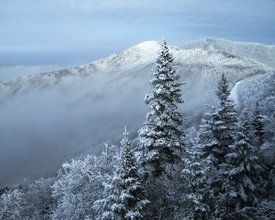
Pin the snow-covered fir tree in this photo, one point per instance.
(106, 206)
(258, 123)
(123, 196)
(243, 180)
(160, 139)
(195, 175)
(217, 132)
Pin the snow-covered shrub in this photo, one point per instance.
(12, 205)
(38, 198)
(79, 184)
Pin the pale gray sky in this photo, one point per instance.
(78, 31)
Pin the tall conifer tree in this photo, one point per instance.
(258, 124)
(161, 139)
(217, 133)
(123, 196)
(244, 174)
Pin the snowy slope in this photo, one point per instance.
(51, 117)
(197, 61)
(259, 88)
(258, 52)
(8, 72)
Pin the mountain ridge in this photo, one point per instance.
(141, 54)
(256, 51)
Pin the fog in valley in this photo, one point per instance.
(43, 128)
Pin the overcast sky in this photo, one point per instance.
(72, 32)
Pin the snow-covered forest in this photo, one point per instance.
(220, 168)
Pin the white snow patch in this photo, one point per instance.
(149, 45)
(234, 93)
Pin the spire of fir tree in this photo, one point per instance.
(160, 139)
(258, 124)
(223, 91)
(218, 131)
(127, 157)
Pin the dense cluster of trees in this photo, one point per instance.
(213, 172)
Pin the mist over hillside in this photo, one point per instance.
(51, 117)
(13, 71)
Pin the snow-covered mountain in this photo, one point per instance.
(12, 71)
(51, 117)
(258, 52)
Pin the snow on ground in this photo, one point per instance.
(234, 94)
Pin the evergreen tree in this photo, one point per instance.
(217, 133)
(160, 139)
(107, 207)
(208, 141)
(244, 176)
(123, 194)
(195, 175)
(258, 124)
